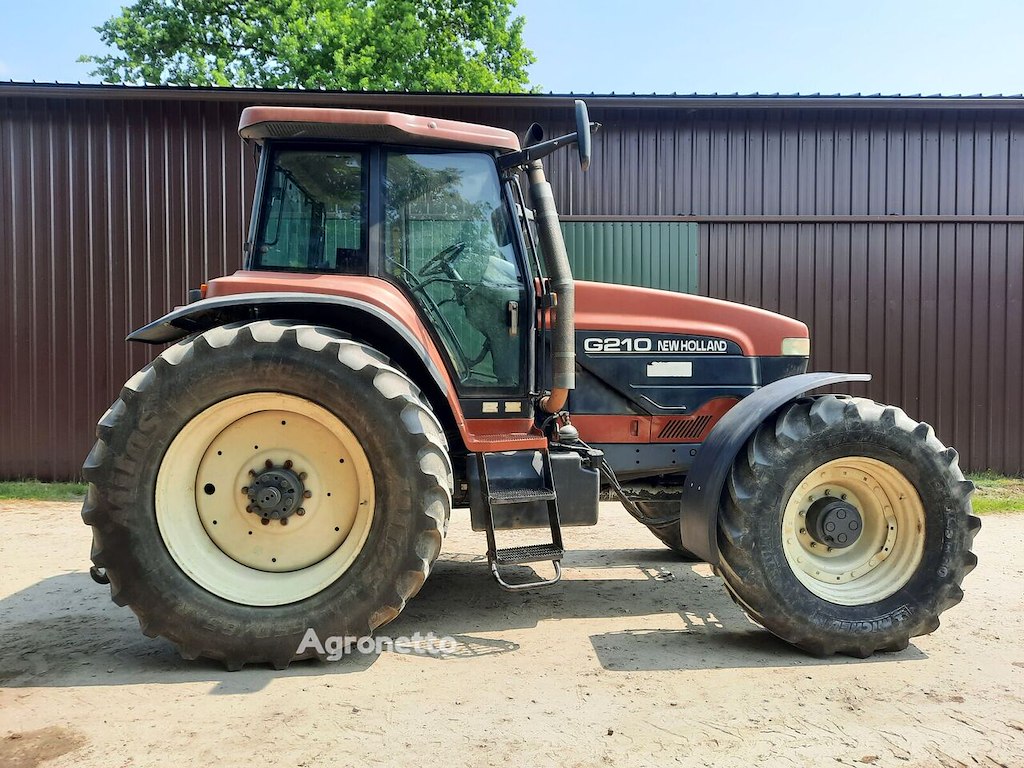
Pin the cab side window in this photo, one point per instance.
(314, 213)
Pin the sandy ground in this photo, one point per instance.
(635, 659)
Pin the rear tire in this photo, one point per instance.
(186, 546)
(885, 585)
(662, 519)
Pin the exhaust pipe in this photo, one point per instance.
(563, 334)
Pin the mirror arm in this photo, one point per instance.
(537, 151)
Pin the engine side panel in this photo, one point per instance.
(650, 400)
(656, 371)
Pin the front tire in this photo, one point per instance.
(662, 519)
(833, 467)
(259, 480)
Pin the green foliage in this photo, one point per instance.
(35, 490)
(416, 45)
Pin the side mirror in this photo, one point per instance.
(583, 133)
(534, 135)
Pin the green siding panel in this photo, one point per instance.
(645, 253)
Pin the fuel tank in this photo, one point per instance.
(656, 370)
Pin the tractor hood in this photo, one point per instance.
(607, 307)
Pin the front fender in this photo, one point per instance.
(706, 478)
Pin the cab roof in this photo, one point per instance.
(261, 123)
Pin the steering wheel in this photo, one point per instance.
(419, 286)
(443, 261)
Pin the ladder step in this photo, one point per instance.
(519, 495)
(532, 553)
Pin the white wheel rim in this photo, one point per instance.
(889, 549)
(201, 507)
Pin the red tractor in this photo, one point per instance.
(406, 337)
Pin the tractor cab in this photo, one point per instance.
(438, 225)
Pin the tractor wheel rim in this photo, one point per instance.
(264, 498)
(888, 549)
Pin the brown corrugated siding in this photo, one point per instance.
(111, 208)
(933, 311)
(110, 211)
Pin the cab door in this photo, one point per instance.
(448, 240)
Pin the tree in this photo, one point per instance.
(416, 45)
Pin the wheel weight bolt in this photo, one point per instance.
(300, 511)
(307, 494)
(284, 521)
(245, 489)
(803, 530)
(843, 497)
(288, 464)
(268, 464)
(252, 473)
(302, 475)
(265, 521)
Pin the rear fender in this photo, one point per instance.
(364, 321)
(706, 479)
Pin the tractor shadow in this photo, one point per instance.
(64, 631)
(703, 627)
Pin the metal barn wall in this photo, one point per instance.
(897, 235)
(646, 253)
(109, 212)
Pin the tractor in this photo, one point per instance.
(406, 337)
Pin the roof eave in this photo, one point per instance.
(406, 99)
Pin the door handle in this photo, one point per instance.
(513, 318)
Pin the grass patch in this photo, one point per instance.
(37, 491)
(997, 493)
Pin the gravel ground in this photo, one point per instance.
(635, 659)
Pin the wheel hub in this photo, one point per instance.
(276, 493)
(877, 509)
(834, 523)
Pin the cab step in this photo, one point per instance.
(520, 496)
(531, 553)
(512, 479)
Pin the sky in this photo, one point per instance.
(666, 46)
